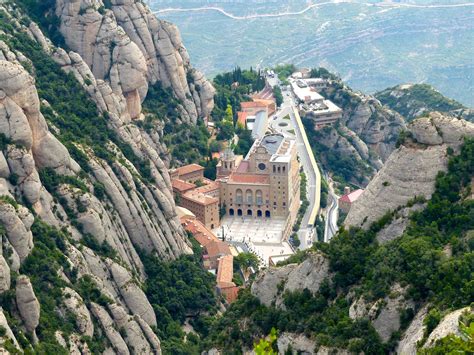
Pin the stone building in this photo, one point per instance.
(345, 202)
(202, 201)
(189, 173)
(266, 184)
(204, 207)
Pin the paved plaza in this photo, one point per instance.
(261, 236)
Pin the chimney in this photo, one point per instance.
(347, 190)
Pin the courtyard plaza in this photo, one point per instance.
(261, 236)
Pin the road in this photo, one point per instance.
(332, 213)
(387, 5)
(292, 129)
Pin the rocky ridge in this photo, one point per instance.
(415, 100)
(116, 53)
(364, 137)
(411, 170)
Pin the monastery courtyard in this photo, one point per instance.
(260, 236)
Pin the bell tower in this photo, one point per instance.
(226, 163)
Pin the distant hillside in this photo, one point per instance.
(415, 100)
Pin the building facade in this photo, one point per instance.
(266, 184)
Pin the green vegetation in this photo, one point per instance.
(187, 143)
(454, 344)
(42, 12)
(42, 267)
(359, 264)
(294, 240)
(234, 87)
(180, 290)
(245, 141)
(416, 100)
(322, 73)
(344, 167)
(278, 95)
(71, 111)
(284, 71)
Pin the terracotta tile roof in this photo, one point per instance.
(249, 179)
(243, 167)
(216, 155)
(203, 235)
(225, 269)
(199, 197)
(217, 248)
(251, 104)
(242, 118)
(182, 186)
(351, 197)
(189, 169)
(210, 186)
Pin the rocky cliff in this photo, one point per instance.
(411, 169)
(83, 187)
(358, 145)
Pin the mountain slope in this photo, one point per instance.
(359, 143)
(358, 294)
(414, 100)
(84, 184)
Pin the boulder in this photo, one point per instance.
(27, 303)
(272, 283)
(76, 306)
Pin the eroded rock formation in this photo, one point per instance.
(411, 169)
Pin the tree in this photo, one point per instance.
(229, 115)
(246, 261)
(264, 346)
(226, 130)
(278, 95)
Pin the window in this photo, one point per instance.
(262, 166)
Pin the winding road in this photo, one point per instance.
(385, 5)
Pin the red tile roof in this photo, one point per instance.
(189, 169)
(251, 104)
(182, 186)
(242, 118)
(209, 187)
(249, 179)
(243, 167)
(203, 235)
(199, 197)
(352, 196)
(225, 269)
(217, 248)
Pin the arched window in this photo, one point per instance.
(249, 197)
(239, 212)
(249, 212)
(279, 169)
(238, 196)
(231, 211)
(259, 213)
(274, 168)
(267, 214)
(259, 197)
